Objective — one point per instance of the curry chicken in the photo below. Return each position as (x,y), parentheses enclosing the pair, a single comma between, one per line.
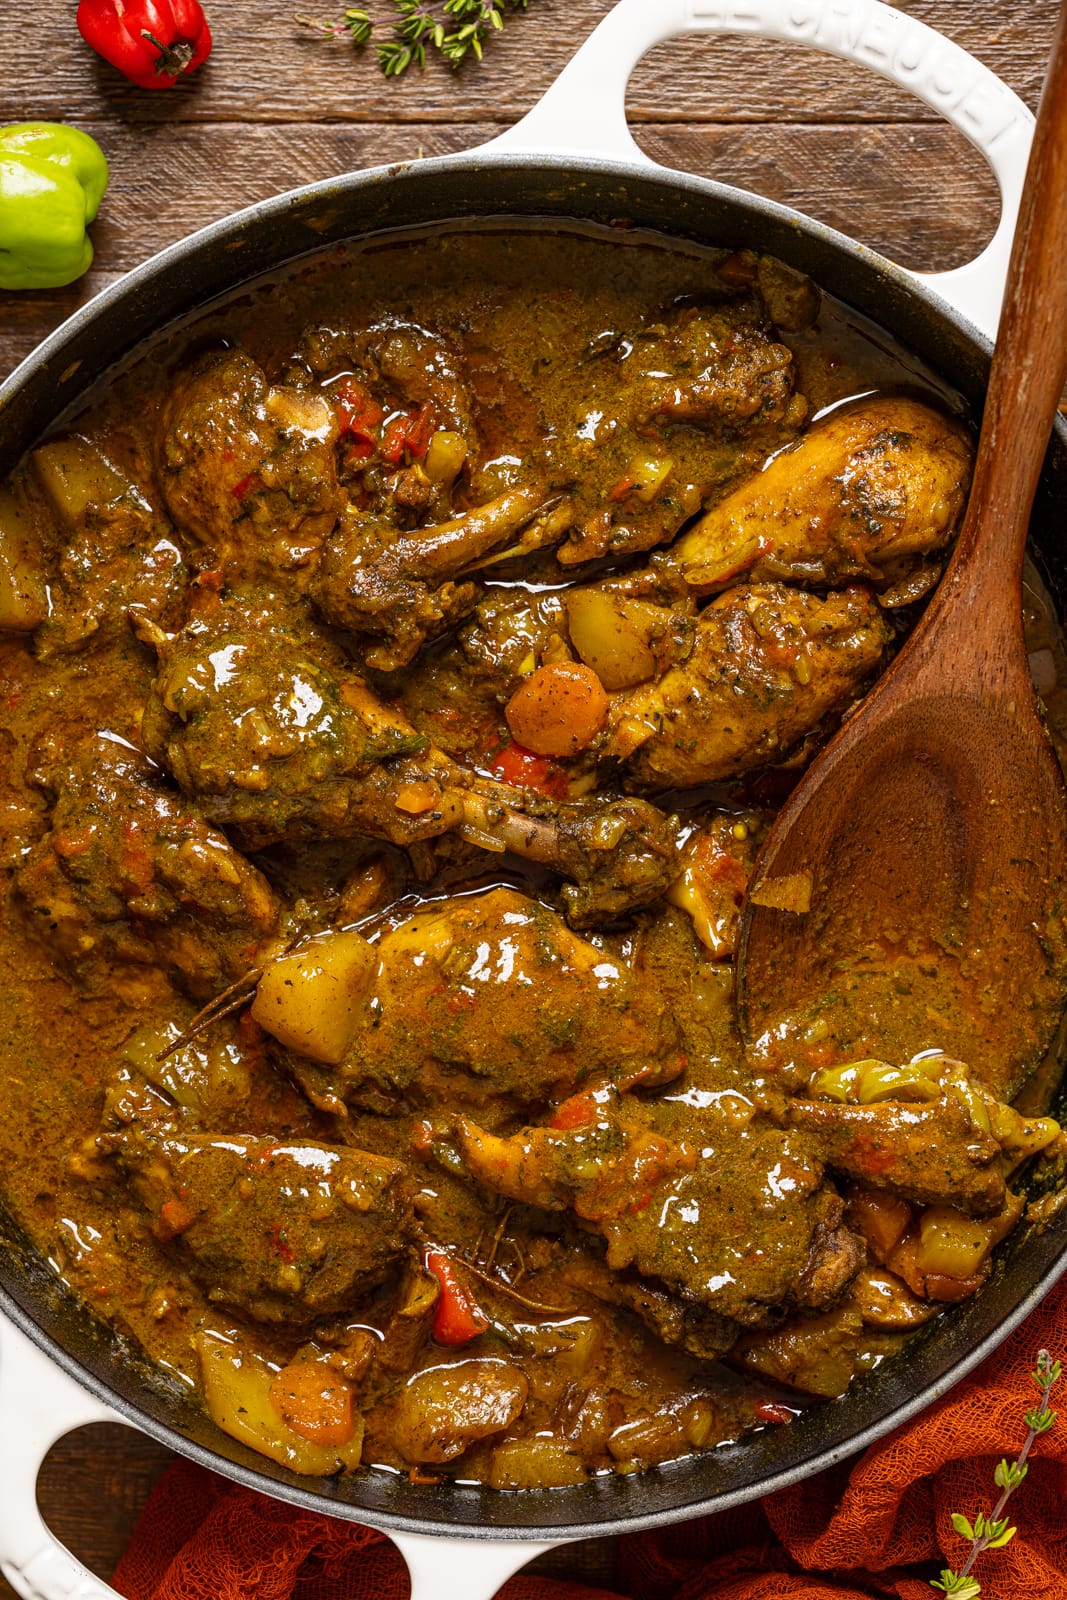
(400,670)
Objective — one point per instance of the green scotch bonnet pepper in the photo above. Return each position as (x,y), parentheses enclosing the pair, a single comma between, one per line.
(52,179)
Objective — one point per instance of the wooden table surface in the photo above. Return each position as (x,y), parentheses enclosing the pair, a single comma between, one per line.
(276,107)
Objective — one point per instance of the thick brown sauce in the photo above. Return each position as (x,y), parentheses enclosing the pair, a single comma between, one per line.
(602,1391)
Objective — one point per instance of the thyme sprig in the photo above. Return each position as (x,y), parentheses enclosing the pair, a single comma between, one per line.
(993,1532)
(354,22)
(456,29)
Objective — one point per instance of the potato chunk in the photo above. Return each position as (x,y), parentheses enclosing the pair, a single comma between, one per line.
(444,1410)
(76,476)
(311,999)
(23,598)
(237,1389)
(283,1232)
(615,636)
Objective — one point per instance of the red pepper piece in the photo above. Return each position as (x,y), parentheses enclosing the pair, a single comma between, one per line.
(152,42)
(721,866)
(421,430)
(174,1217)
(280,1244)
(135,859)
(250,484)
(771,1411)
(457,1318)
(250,1036)
(422,1138)
(579,1111)
(359,415)
(408,433)
(523,769)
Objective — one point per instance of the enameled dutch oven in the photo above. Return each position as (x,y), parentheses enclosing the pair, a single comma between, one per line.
(571,158)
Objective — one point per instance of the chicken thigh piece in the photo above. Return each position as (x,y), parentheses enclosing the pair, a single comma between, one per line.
(276,745)
(248,469)
(768,666)
(693,696)
(734,1218)
(666,412)
(491,1000)
(115,554)
(130,879)
(401,589)
(287,1232)
(934,1154)
(278,742)
(872,492)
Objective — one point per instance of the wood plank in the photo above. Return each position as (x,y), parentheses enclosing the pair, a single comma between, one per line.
(915,190)
(264,67)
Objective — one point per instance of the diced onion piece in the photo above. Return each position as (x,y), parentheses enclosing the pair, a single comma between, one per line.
(75,475)
(445,455)
(710,889)
(614,636)
(713,924)
(629,734)
(202,1076)
(310,1000)
(559,710)
(23,597)
(648,1440)
(297,412)
(572,1345)
(818,1355)
(722,564)
(237,1391)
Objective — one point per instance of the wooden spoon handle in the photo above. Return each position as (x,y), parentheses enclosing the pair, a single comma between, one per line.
(1030,362)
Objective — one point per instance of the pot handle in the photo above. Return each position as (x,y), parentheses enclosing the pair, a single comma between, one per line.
(584,112)
(39,1404)
(474,1568)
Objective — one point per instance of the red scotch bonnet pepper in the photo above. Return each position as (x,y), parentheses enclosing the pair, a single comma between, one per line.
(152,42)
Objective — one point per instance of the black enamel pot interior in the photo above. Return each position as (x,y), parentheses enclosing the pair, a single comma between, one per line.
(447,193)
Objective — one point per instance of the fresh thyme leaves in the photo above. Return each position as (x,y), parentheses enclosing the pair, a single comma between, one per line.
(993,1532)
(456,29)
(355,22)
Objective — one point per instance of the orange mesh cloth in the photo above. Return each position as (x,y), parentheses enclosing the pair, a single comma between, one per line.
(878,1526)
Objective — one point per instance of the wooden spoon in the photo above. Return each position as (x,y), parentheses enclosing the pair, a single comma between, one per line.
(911,894)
